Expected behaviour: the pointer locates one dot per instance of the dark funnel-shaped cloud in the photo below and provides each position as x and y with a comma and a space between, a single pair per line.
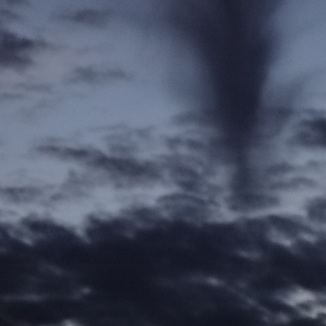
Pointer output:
235, 48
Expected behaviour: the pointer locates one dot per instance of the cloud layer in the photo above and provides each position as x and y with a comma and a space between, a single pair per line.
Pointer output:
124, 204
140, 268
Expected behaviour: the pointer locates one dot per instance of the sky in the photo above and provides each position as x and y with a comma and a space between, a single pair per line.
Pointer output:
162, 162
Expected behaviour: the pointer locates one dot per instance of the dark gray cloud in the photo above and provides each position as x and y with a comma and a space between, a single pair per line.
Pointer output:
280, 169
252, 201
8, 10
312, 133
76, 185
236, 49
139, 269
16, 51
163, 263
98, 75
11, 96
181, 206
183, 163
187, 171
176, 170
123, 169
316, 209
90, 17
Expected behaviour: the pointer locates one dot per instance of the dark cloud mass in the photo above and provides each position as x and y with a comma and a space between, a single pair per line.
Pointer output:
16, 51
7, 15
235, 47
119, 168
140, 270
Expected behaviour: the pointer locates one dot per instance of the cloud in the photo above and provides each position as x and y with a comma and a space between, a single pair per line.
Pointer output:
236, 49
312, 133
316, 209
252, 201
98, 75
295, 183
15, 2
123, 169
16, 51
163, 262
90, 17
7, 15
133, 160
187, 171
11, 96
8, 12
137, 271
281, 169
184, 206
31, 87
180, 169
20, 194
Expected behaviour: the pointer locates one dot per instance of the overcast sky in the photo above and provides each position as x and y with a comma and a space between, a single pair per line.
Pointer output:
162, 162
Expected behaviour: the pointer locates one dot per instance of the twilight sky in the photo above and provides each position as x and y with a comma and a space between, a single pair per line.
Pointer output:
162, 162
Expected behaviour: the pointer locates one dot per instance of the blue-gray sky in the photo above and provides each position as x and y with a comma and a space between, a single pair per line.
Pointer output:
162, 162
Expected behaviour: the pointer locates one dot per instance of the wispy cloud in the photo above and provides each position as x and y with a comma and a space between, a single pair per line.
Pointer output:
20, 194
14, 2
98, 75
7, 15
164, 237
